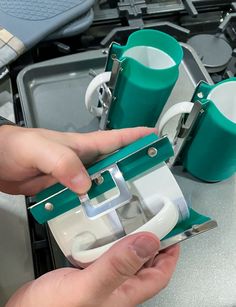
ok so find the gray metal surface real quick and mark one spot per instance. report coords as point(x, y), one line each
point(123, 196)
point(206, 272)
point(215, 61)
point(52, 92)
point(16, 265)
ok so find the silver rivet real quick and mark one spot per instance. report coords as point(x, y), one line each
point(200, 95)
point(99, 180)
point(195, 228)
point(152, 152)
point(113, 56)
point(49, 206)
point(104, 51)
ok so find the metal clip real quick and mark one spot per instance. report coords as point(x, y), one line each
point(108, 93)
point(183, 131)
point(189, 233)
point(123, 197)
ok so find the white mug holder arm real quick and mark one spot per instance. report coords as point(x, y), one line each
point(161, 224)
point(106, 80)
point(177, 109)
point(94, 85)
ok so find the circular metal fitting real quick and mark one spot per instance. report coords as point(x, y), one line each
point(152, 152)
point(48, 206)
point(200, 95)
point(99, 180)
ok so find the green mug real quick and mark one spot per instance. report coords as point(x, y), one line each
point(208, 149)
point(137, 81)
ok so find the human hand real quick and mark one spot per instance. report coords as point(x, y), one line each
point(126, 275)
point(129, 273)
point(33, 159)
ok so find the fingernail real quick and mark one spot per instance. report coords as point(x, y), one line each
point(145, 247)
point(81, 181)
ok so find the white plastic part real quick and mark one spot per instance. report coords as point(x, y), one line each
point(150, 57)
point(176, 109)
point(97, 82)
point(160, 225)
point(224, 98)
point(162, 202)
point(222, 95)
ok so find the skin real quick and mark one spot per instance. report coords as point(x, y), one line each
point(132, 271)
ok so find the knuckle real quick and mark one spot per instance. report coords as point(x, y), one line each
point(124, 267)
point(61, 163)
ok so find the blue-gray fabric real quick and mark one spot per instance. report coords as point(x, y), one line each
point(30, 21)
point(36, 10)
point(75, 27)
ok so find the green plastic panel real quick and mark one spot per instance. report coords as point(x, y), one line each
point(210, 155)
point(141, 92)
point(132, 160)
point(194, 219)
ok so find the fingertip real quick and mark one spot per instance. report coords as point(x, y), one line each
point(80, 183)
point(145, 246)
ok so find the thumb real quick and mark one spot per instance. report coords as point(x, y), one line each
point(62, 163)
point(120, 263)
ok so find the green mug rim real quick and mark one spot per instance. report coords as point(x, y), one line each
point(153, 35)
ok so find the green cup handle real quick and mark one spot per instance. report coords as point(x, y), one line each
point(94, 85)
point(177, 109)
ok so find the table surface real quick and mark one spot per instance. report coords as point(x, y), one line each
point(16, 266)
point(206, 271)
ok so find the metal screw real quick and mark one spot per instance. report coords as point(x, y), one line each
point(92, 73)
point(200, 95)
point(195, 228)
point(113, 56)
point(152, 152)
point(99, 180)
point(49, 206)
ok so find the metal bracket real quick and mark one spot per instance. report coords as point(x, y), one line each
point(189, 233)
point(224, 24)
point(183, 131)
point(123, 197)
point(3, 72)
point(132, 160)
point(228, 26)
point(132, 8)
point(190, 8)
point(108, 91)
point(121, 33)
